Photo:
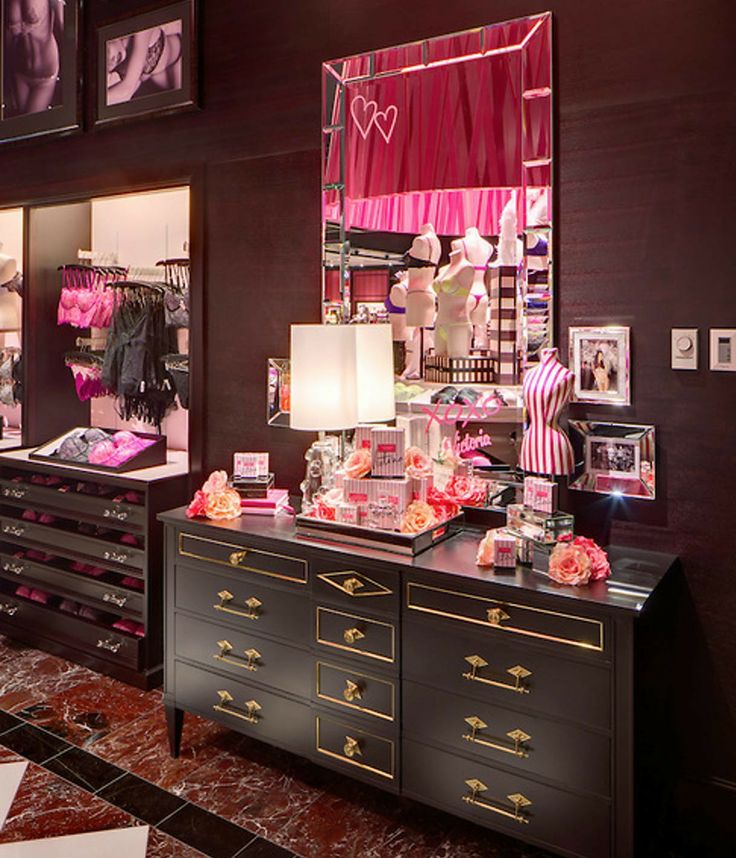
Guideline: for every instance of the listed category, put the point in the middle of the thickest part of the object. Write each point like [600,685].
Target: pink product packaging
[530,484]
[347,513]
[545,496]
[363,492]
[420,487]
[250,465]
[504,549]
[387,452]
[362,439]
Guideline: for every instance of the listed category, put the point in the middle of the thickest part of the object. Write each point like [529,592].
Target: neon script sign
[453,412]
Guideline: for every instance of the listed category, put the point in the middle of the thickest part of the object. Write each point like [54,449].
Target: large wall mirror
[437,208]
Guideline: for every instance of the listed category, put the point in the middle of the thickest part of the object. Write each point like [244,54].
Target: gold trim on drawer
[497,621]
[355,694]
[350,633]
[357,584]
[520,802]
[237,551]
[352,749]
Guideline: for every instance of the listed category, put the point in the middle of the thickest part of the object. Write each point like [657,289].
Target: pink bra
[86,308]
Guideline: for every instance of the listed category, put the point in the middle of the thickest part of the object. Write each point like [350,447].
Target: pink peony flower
[569,564]
[467,491]
[600,568]
[418,464]
[358,464]
[223,505]
[419,516]
[197,506]
[485,550]
[216,482]
[443,505]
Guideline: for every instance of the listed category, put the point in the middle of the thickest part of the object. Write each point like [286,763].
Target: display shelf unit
[81,561]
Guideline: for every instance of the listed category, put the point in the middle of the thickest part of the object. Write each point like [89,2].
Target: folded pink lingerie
[118,449]
[131,627]
[133,583]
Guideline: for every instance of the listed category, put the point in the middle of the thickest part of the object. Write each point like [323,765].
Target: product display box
[121,451]
[538,526]
[253,487]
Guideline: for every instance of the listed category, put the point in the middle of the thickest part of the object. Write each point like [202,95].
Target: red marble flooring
[303,808]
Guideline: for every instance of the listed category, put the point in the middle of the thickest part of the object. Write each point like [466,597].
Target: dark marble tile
[141,799]
[47,806]
[84,769]
[8,756]
[160,845]
[260,848]
[202,830]
[32,743]
[8,722]
[30,676]
[89,710]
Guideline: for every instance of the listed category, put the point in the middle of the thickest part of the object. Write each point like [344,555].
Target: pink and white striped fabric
[546,449]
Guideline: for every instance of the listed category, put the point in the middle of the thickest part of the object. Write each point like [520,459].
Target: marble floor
[98,760]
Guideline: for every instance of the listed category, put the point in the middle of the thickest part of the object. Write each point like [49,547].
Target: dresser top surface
[635,572]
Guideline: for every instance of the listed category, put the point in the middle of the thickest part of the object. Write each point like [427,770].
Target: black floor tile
[260,848]
[206,832]
[33,744]
[8,721]
[84,769]
[144,800]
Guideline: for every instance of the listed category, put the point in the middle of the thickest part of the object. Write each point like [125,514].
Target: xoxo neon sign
[487,406]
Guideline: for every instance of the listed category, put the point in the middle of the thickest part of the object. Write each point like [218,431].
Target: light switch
[723,349]
[684,348]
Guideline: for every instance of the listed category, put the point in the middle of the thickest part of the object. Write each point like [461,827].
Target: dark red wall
[646,112]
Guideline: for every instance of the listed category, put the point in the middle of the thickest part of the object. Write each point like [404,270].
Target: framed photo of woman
[600,359]
[39,53]
[147,63]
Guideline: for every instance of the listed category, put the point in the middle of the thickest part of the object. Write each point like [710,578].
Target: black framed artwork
[147,63]
[39,65]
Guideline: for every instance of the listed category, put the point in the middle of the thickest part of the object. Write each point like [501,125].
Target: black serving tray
[151,457]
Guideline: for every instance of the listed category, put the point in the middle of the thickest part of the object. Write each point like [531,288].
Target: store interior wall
[11,244]
[645,171]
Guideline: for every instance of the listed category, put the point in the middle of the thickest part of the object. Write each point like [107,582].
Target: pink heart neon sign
[366,114]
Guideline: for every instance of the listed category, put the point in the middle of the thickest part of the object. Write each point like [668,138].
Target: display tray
[389,540]
[151,457]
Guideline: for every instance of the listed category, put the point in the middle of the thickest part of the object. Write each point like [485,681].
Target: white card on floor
[11,774]
[131,842]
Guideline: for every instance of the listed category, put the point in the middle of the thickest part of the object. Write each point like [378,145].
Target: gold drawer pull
[518,672]
[351,748]
[237,557]
[352,691]
[12,530]
[352,636]
[518,737]
[10,610]
[517,800]
[110,644]
[253,604]
[251,655]
[251,708]
[15,568]
[350,585]
[115,599]
[18,494]
[496,616]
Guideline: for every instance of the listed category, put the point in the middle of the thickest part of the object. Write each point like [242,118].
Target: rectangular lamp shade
[341,375]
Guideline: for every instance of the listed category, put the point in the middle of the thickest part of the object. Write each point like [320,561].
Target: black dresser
[500,697]
[81,557]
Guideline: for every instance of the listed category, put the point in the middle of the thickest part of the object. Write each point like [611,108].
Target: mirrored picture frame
[600,357]
[39,59]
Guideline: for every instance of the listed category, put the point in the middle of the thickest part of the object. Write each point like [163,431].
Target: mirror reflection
[11,324]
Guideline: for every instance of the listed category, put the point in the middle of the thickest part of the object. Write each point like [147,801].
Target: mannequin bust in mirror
[510,246]
[548,387]
[453,331]
[10,301]
[478,252]
[421,261]
[400,331]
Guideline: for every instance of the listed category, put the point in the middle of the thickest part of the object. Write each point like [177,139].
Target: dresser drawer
[567,630]
[244,655]
[511,803]
[506,672]
[243,558]
[577,758]
[369,639]
[71,544]
[100,641]
[245,708]
[101,510]
[357,587]
[356,691]
[356,750]
[245,602]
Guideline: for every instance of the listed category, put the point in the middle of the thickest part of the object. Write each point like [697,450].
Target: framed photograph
[600,359]
[147,64]
[39,56]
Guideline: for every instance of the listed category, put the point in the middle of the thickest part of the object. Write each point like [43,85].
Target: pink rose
[358,464]
[467,491]
[419,516]
[216,482]
[418,464]
[197,506]
[443,505]
[569,564]
[600,568]
[222,505]
[485,550]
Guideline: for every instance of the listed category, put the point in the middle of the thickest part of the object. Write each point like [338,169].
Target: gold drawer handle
[496,616]
[110,644]
[18,494]
[251,708]
[251,656]
[115,599]
[519,801]
[253,604]
[12,530]
[351,748]
[352,691]
[237,557]
[6,608]
[518,737]
[350,585]
[352,636]
[15,568]
[518,672]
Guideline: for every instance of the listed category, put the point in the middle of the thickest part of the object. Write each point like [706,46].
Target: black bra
[413,262]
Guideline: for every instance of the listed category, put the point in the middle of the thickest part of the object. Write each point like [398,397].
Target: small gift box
[387,452]
[504,550]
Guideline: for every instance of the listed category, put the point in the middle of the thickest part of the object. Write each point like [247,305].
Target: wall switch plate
[684,348]
[723,349]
